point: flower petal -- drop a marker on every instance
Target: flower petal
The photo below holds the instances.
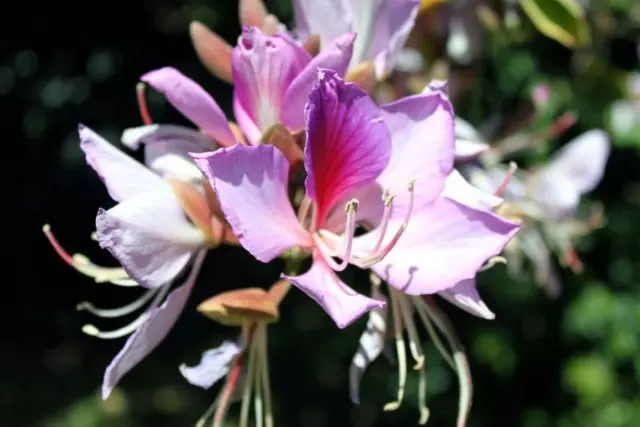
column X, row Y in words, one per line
column 123, row 176
column 389, row 27
column 457, row 188
column 147, row 337
column 465, row 296
column 422, row 135
column 466, row 150
column 576, row 169
column 445, row 243
column 263, row 68
column 167, row 149
column 338, row 300
column 192, row 101
column 335, row 57
column 370, row 346
column 251, row 185
column 328, row 19
column 213, row 51
column 150, row 236
column 213, row 366
column 348, row 144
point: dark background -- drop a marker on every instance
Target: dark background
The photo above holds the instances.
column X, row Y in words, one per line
column 569, row 362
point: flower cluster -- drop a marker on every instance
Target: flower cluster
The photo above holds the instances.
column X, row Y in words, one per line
column 319, row 171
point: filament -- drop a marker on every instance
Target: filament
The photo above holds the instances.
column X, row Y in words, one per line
column 266, row 382
column 142, row 104
column 422, row 397
column 246, row 395
column 505, row 182
column 120, row 311
column 402, row 357
column 414, row 339
column 388, row 208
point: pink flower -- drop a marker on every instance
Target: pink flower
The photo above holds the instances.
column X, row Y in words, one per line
column 273, row 76
column 356, row 155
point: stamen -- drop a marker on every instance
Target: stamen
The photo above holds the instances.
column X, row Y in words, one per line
column 493, row 262
column 507, row 178
column 160, row 294
column 120, row 311
column 402, row 357
column 250, row 380
column 351, row 209
column 422, row 398
column 422, row 309
column 258, row 408
column 571, row 259
column 303, row 211
column 388, row 208
column 82, row 264
column 142, row 104
column 414, row 340
column 379, row 256
column 266, row 382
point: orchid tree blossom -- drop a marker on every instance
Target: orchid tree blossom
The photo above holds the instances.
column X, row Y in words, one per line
column 350, row 157
column 382, row 26
column 273, row 76
column 150, row 235
column 547, row 199
column 244, row 363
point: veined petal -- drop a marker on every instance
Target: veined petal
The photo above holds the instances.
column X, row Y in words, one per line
column 422, row 135
column 192, row 101
column 263, row 68
column 335, row 57
column 123, row 176
column 348, row 145
column 465, row 296
column 147, row 337
column 342, row 303
column 389, row 28
column 214, row 365
column 445, row 243
column 167, row 149
column 251, row 185
column 150, row 236
column 328, row 19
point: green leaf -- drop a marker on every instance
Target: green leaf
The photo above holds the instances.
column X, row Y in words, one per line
column 561, row 20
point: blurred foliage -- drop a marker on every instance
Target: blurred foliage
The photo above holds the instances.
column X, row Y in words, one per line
column 569, row 362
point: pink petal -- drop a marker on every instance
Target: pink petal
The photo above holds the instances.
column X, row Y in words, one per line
column 342, row 303
column 251, row 185
column 348, row 144
column 445, row 243
column 465, row 296
column 263, row 68
column 392, row 21
column 459, row 189
column 123, row 176
column 148, row 336
column 422, row 135
column 328, row 19
column 335, row 57
column 466, row 150
column 167, row 149
column 192, row 101
column 150, row 236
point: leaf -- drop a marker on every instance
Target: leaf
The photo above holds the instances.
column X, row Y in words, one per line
column 561, row 20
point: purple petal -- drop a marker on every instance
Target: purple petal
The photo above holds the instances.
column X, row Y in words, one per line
column 214, row 365
column 335, row 57
column 167, row 149
column 422, row 135
column 466, row 150
column 251, row 184
column 465, row 296
column 192, row 101
column 348, row 144
column 342, row 303
column 263, row 68
column 147, row 337
column 392, row 21
column 457, row 188
column 445, row 243
column 150, row 236
column 123, row 176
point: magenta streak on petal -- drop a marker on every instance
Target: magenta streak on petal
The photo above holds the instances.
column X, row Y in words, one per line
column 348, row 144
